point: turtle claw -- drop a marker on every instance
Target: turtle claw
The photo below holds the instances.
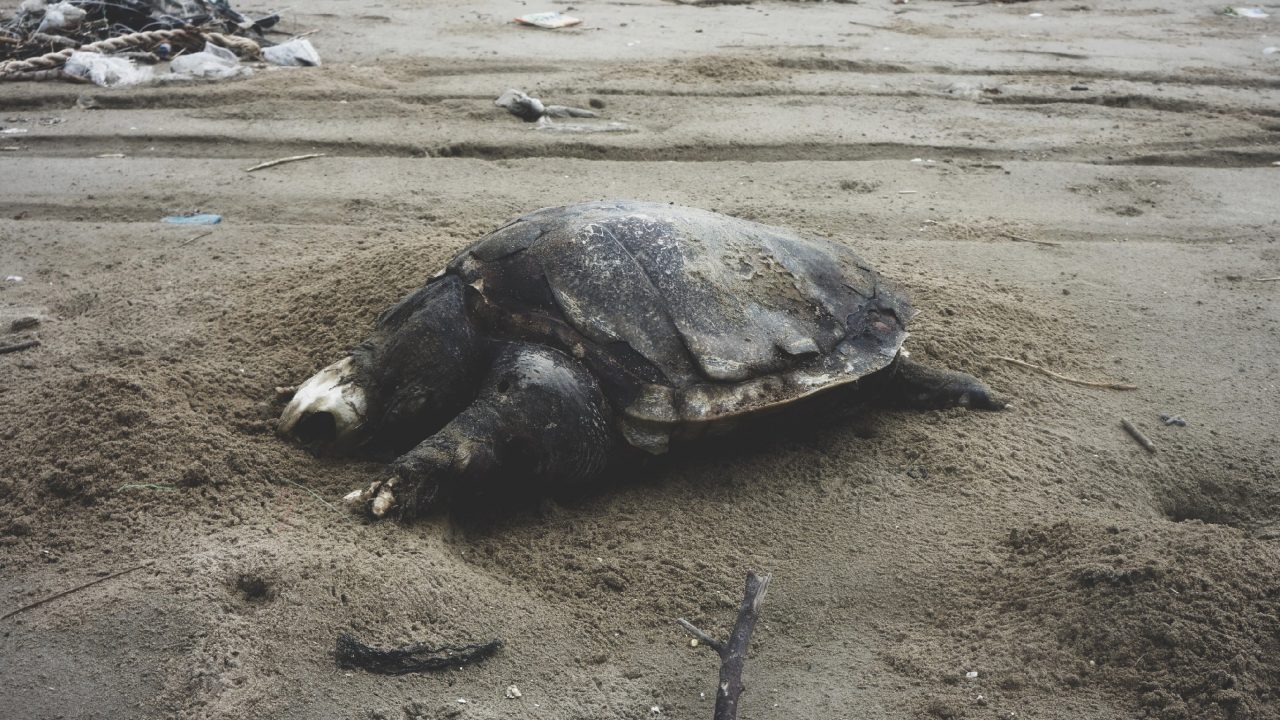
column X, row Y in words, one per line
column 383, row 499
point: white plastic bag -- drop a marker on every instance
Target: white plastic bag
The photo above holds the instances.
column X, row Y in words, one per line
column 105, row 70
column 214, row 62
column 295, row 52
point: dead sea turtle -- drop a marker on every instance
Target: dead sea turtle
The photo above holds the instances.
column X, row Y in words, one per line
column 575, row 335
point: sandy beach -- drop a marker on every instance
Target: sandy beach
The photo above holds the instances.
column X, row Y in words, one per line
column 1088, row 187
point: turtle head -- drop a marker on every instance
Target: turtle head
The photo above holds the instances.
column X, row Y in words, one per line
column 414, row 374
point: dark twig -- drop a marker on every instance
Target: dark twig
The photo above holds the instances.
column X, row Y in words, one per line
column 734, row 653
column 702, row 637
column 77, row 588
column 1019, row 238
column 192, row 239
column 1143, row 440
column 26, row 345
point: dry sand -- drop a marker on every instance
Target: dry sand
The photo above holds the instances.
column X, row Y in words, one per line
column 1042, row 548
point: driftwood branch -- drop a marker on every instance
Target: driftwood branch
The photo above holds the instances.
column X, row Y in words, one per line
column 733, row 654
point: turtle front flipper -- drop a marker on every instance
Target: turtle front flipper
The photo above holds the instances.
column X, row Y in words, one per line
column 540, row 416
column 915, row 386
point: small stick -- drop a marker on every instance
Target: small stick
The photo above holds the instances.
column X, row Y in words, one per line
column 1019, row 238
column 77, row 588
column 206, row 233
column 1271, row 279
column 17, row 347
column 1143, row 440
column 734, row 653
column 282, row 161
column 1064, row 378
column 701, row 636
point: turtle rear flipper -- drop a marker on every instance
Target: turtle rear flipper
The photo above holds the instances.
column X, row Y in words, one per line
column 914, row 385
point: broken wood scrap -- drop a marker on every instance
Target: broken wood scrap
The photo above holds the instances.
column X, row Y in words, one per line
column 1064, row 378
column 733, row 652
column 16, row 347
column 417, row 657
column 1133, row 430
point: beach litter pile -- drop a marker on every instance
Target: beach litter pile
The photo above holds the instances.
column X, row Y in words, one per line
column 122, row 42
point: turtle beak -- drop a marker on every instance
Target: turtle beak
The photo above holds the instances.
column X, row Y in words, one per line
column 327, row 411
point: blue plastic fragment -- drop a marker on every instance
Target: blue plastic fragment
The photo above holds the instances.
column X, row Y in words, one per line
column 194, row 219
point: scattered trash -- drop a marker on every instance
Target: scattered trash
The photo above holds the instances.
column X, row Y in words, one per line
column 971, row 675
column 1256, row 13
column 214, row 63
column 531, row 109
column 549, row 20
column 297, row 52
column 417, row 657
column 106, row 70
column 40, row 39
column 61, row 16
column 13, row 278
column 1168, row 419
column 908, row 192
column 1035, row 15
column 517, row 103
column 193, row 219
column 513, row 693
column 972, row 91
column 1272, row 50
column 109, row 155
column 13, row 131
column 283, row 160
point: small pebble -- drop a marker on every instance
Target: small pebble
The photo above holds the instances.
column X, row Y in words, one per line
column 513, row 692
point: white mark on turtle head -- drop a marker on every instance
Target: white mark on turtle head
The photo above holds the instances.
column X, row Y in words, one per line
column 327, row 410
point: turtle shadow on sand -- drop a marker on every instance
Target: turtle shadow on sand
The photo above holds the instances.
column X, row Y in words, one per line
column 575, row 341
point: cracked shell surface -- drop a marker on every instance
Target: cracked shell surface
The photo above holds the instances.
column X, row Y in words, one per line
column 688, row 316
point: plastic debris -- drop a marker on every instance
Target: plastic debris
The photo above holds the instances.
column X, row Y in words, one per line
column 531, row 109
column 1270, row 50
column 549, row 20
column 214, row 63
column 13, row 278
column 14, row 131
column 106, row 70
column 1168, row 419
column 62, row 16
column 1256, row 13
column 193, row 219
column 971, row 675
column 513, row 693
column 297, row 52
